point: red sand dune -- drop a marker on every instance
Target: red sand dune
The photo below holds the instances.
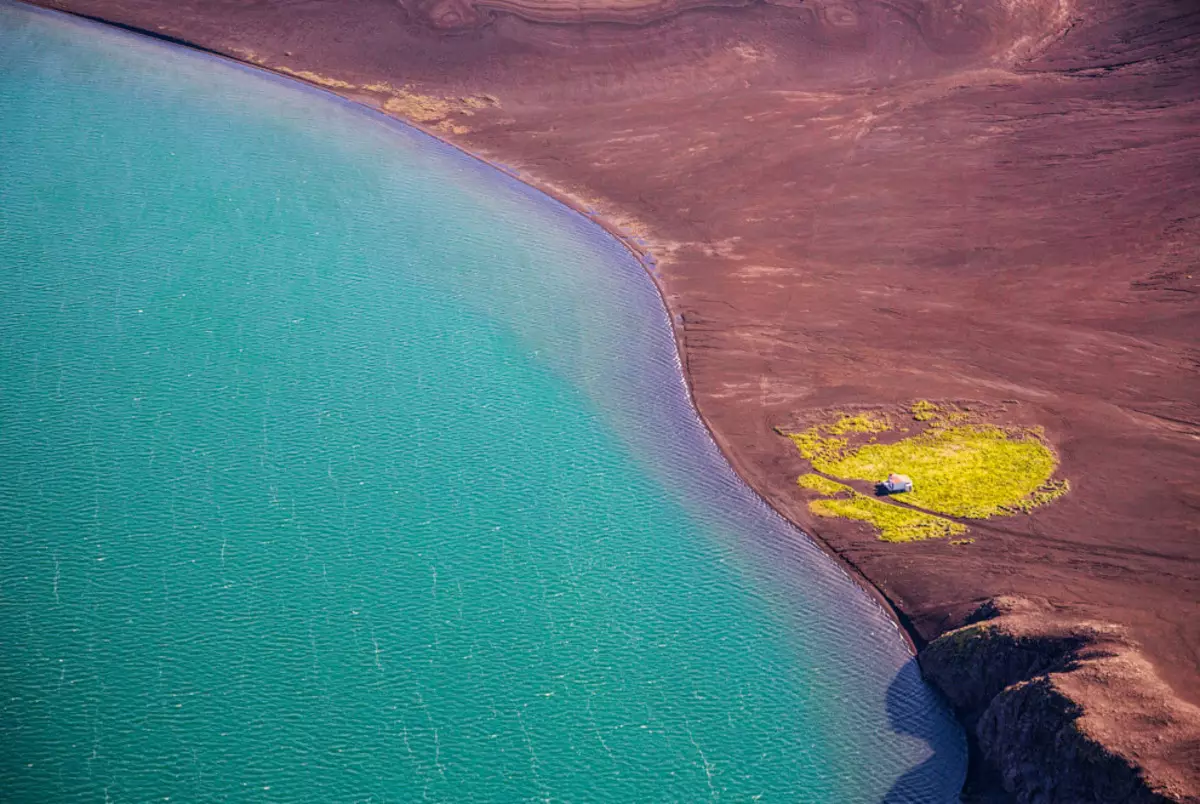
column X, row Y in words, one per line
column 871, row 203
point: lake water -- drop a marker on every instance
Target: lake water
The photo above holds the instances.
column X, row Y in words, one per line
column 336, row 466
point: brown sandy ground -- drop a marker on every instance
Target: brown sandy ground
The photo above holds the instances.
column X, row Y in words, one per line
column 870, row 203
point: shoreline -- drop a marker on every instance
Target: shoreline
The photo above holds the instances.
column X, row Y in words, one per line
column 640, row 253
column 693, row 550
column 1066, row 579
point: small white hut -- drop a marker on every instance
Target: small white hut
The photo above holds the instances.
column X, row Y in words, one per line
column 896, row 484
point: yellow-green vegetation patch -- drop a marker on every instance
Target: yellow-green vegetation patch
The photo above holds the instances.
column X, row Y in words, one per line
column 923, row 410
column 938, row 415
column 817, row 448
column 860, row 423
column 822, row 485
column 973, row 471
column 959, row 468
column 824, row 443
column 894, row 523
column 1045, row 494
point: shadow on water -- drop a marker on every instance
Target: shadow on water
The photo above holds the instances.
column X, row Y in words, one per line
column 908, row 714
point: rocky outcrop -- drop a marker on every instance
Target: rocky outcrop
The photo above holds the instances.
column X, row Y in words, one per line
column 1065, row 710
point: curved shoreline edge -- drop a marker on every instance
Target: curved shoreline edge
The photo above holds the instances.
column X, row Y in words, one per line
column 643, row 254
column 623, row 298
column 1020, row 675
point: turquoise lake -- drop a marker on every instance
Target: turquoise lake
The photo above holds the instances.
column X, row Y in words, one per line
column 337, row 466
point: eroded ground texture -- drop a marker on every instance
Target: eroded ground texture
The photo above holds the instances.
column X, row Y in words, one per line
column 989, row 201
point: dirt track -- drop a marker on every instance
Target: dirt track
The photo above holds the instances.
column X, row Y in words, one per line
column 866, row 203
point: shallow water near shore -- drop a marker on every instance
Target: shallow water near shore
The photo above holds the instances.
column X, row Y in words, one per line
column 337, row 466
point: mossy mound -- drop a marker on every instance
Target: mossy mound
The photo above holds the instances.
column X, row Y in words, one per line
column 959, row 468
column 975, row 471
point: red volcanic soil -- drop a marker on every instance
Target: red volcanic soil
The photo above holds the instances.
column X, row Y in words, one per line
column 860, row 203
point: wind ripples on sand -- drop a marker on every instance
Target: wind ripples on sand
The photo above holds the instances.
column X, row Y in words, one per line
column 336, row 466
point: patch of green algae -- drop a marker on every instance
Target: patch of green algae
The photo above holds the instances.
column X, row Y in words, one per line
column 958, row 469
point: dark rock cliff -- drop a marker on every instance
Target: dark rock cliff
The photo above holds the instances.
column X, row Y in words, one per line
column 1026, row 682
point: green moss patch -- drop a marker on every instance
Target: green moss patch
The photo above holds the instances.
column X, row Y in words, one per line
column 975, row 471
column 894, row 523
column 959, row 468
column 860, row 423
column 815, row 446
column 822, row 485
column 923, row 410
column 1045, row 494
